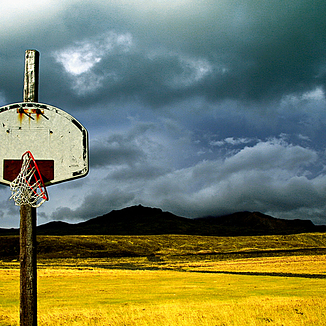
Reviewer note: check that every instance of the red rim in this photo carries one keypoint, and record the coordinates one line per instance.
(44, 192)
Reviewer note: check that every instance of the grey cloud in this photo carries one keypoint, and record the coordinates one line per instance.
(231, 141)
(267, 50)
(9, 213)
(229, 51)
(269, 177)
(245, 51)
(128, 148)
(138, 172)
(109, 155)
(272, 154)
(95, 204)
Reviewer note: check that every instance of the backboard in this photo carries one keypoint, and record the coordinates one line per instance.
(58, 142)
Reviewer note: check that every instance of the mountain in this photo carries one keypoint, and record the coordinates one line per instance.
(256, 223)
(139, 220)
(135, 220)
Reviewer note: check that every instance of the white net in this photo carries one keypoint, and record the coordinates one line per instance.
(28, 187)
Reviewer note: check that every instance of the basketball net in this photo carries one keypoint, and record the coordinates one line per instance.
(28, 187)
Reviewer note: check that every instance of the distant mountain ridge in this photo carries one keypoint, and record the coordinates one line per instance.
(259, 221)
(140, 220)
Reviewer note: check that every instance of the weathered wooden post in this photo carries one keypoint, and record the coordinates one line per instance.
(28, 265)
(40, 145)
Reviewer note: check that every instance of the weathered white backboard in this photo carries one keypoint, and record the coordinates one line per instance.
(58, 142)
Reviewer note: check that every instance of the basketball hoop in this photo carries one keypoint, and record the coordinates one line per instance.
(28, 187)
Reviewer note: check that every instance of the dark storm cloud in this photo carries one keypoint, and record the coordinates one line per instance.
(268, 48)
(94, 204)
(109, 155)
(121, 148)
(269, 176)
(248, 51)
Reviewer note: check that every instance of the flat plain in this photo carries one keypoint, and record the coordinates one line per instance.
(186, 280)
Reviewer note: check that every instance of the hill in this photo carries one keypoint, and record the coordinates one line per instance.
(256, 223)
(139, 220)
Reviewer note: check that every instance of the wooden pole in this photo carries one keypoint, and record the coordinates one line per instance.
(31, 76)
(28, 266)
(28, 269)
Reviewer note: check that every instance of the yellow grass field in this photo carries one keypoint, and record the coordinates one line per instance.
(254, 291)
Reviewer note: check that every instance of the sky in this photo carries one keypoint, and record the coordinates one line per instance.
(196, 107)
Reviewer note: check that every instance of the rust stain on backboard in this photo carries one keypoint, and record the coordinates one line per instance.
(31, 113)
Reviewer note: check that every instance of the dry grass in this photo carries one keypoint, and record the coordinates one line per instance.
(134, 297)
(304, 265)
(264, 310)
(59, 247)
(251, 311)
(183, 281)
